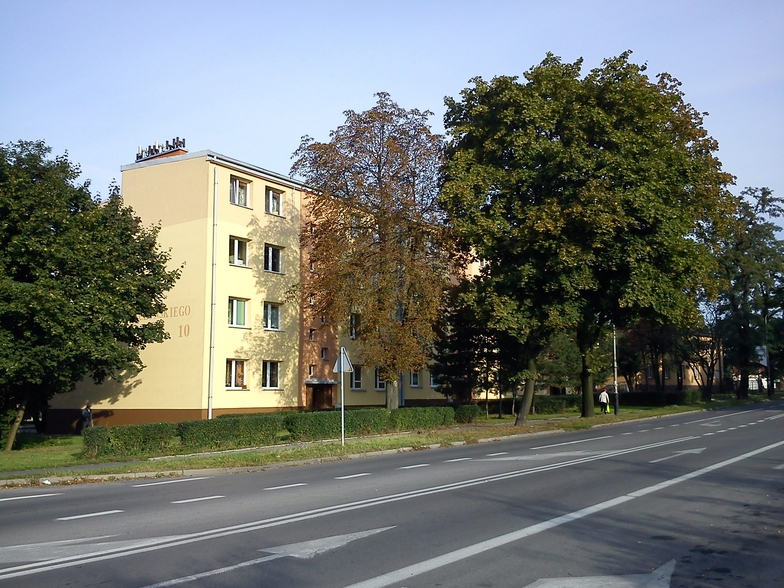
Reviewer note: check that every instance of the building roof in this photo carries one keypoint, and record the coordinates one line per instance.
(224, 161)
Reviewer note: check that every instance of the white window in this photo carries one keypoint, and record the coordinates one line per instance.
(272, 258)
(356, 378)
(433, 383)
(311, 370)
(238, 251)
(238, 312)
(269, 374)
(239, 192)
(414, 379)
(272, 316)
(311, 334)
(273, 202)
(235, 374)
(380, 384)
(324, 352)
(353, 325)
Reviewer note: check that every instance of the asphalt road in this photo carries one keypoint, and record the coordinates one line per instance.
(684, 501)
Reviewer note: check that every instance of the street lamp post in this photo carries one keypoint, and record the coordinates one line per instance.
(615, 372)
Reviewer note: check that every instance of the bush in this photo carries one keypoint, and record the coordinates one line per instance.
(367, 421)
(247, 430)
(427, 417)
(129, 440)
(312, 426)
(468, 413)
(558, 404)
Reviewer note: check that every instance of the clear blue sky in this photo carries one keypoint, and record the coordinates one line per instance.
(248, 79)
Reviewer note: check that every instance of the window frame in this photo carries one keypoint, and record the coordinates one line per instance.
(273, 201)
(235, 182)
(356, 378)
(232, 382)
(269, 258)
(234, 304)
(415, 375)
(268, 316)
(378, 383)
(354, 325)
(268, 374)
(235, 244)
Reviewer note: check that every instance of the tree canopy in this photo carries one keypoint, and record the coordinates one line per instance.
(588, 198)
(79, 279)
(375, 235)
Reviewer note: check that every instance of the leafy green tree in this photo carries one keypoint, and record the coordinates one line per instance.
(376, 236)
(587, 198)
(751, 262)
(79, 279)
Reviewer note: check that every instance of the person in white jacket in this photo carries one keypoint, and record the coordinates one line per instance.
(604, 401)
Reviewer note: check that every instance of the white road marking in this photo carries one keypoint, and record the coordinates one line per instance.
(659, 578)
(679, 453)
(171, 482)
(643, 430)
(458, 459)
(88, 515)
(30, 496)
(304, 550)
(286, 486)
(196, 499)
(572, 442)
(411, 467)
(627, 434)
(499, 453)
(779, 467)
(352, 476)
(675, 425)
(440, 561)
(657, 428)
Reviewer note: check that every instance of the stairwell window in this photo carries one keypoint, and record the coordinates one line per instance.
(238, 251)
(239, 192)
(269, 374)
(273, 202)
(238, 312)
(235, 374)
(272, 316)
(272, 255)
(353, 325)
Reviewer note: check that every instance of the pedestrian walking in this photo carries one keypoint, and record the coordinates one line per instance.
(87, 416)
(604, 401)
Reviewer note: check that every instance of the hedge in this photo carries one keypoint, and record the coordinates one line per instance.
(427, 417)
(468, 413)
(312, 426)
(251, 430)
(129, 440)
(557, 404)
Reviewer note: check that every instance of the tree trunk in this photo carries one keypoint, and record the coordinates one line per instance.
(393, 395)
(586, 381)
(528, 395)
(15, 427)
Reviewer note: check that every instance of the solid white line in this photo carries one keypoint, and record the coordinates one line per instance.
(352, 476)
(284, 487)
(171, 482)
(572, 442)
(417, 569)
(458, 459)
(92, 514)
(30, 496)
(196, 499)
(411, 467)
(244, 564)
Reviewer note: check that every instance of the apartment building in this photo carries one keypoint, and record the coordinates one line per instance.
(238, 339)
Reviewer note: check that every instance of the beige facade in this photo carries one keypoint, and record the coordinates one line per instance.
(238, 342)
